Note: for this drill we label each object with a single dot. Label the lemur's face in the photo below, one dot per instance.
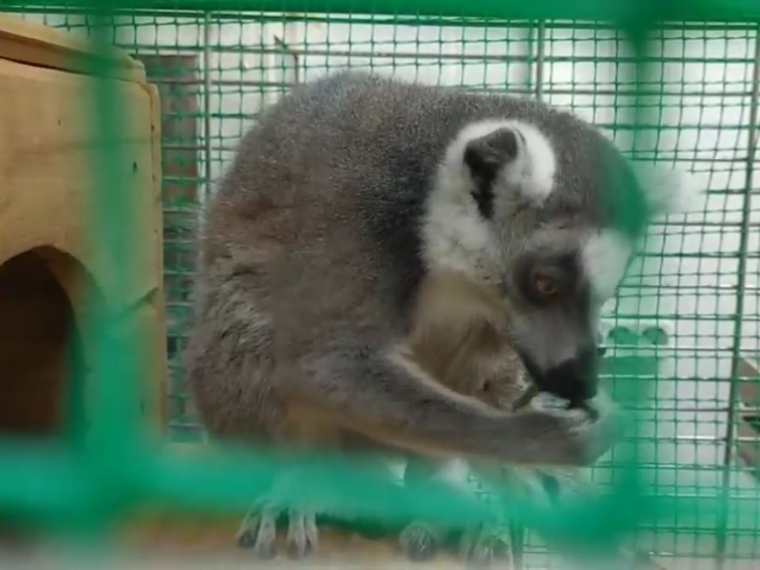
(528, 209)
(555, 285)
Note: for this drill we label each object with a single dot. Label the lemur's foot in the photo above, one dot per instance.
(420, 542)
(482, 547)
(303, 536)
(479, 547)
(259, 531)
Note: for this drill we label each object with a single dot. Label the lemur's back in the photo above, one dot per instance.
(327, 167)
(287, 241)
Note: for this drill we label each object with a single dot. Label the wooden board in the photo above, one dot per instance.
(215, 546)
(48, 156)
(39, 45)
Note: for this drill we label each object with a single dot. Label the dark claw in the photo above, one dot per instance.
(246, 538)
(259, 532)
(302, 535)
(419, 543)
(484, 547)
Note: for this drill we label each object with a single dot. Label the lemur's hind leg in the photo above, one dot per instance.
(259, 528)
(422, 541)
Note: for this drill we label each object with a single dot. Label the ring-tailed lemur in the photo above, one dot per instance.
(346, 203)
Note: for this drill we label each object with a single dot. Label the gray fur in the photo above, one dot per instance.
(311, 258)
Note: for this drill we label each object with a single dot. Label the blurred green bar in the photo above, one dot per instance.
(734, 11)
(46, 481)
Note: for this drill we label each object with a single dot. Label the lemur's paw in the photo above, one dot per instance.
(575, 436)
(419, 542)
(259, 532)
(483, 548)
(303, 536)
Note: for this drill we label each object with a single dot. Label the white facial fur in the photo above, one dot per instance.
(606, 253)
(455, 234)
(605, 257)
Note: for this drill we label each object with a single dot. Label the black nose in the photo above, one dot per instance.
(574, 379)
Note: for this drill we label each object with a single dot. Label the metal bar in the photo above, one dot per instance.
(530, 42)
(481, 57)
(703, 255)
(206, 192)
(294, 53)
(495, 89)
(688, 438)
(308, 50)
(737, 333)
(577, 91)
(540, 51)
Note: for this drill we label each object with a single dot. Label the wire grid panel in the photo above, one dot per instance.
(217, 70)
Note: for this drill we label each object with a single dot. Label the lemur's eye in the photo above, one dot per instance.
(545, 286)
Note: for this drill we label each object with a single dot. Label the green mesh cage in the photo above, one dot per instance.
(686, 320)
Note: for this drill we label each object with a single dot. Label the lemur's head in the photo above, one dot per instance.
(548, 212)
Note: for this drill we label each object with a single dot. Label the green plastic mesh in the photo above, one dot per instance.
(685, 319)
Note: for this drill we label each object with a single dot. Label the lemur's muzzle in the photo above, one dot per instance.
(574, 380)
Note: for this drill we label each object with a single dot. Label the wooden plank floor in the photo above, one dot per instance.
(189, 545)
(185, 546)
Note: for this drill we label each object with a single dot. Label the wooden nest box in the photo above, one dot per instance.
(47, 153)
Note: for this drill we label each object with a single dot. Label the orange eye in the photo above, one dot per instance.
(545, 286)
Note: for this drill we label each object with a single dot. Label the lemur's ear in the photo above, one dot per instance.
(485, 156)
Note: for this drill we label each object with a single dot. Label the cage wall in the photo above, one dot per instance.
(216, 71)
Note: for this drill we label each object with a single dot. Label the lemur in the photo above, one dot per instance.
(352, 202)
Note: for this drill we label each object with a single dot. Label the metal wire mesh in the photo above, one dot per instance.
(697, 302)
